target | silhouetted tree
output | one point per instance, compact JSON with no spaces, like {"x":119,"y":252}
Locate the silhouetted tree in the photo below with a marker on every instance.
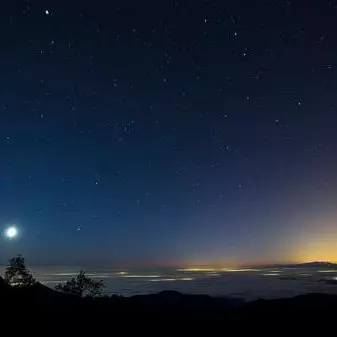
{"x":82,"y":286}
{"x":17,"y":273}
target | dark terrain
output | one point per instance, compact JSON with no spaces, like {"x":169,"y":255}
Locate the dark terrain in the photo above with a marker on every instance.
{"x":41,"y":311}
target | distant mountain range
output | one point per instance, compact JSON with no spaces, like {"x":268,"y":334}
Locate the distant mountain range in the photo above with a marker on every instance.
{"x":316,"y":264}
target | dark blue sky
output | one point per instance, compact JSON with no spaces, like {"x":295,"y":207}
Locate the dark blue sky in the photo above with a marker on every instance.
{"x":158,"y":132}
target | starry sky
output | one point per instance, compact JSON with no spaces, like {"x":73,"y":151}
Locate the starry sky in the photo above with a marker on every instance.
{"x":171,"y":132}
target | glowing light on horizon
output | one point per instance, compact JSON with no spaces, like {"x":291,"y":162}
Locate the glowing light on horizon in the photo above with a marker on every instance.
{"x":270,"y":274}
{"x":140,"y":276}
{"x":240,"y":270}
{"x":197,"y":270}
{"x":318,"y":245}
{"x":164,"y":280}
{"x":173,"y":279}
{"x":217,"y":270}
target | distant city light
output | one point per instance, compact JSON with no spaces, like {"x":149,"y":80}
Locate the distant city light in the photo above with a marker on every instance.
{"x":197,"y":269}
{"x":240,"y":270}
{"x":140,"y":276}
{"x":214,"y":270}
{"x":173,"y":279}
{"x":271,"y":274}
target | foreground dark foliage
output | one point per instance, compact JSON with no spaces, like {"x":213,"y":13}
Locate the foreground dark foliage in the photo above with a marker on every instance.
{"x":17,"y":273}
{"x":44,"y":312}
{"x":82,"y":286}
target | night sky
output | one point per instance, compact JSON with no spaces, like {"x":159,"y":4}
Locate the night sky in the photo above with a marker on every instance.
{"x":168,"y":132}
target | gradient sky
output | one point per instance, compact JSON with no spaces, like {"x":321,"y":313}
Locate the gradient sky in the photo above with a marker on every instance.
{"x":168,"y":132}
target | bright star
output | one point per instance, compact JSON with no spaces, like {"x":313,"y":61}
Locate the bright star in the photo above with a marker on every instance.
{"x":47,"y":12}
{"x":11,"y":232}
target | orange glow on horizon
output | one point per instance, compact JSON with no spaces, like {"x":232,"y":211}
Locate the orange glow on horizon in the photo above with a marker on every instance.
{"x":320,"y":247}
